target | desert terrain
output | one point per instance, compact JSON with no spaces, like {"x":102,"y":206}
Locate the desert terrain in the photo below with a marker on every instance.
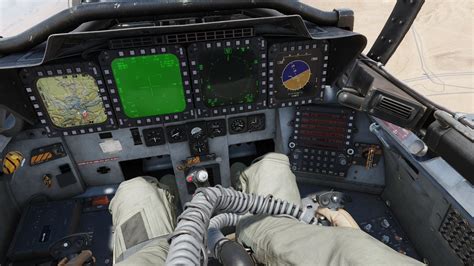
{"x":436,"y":57}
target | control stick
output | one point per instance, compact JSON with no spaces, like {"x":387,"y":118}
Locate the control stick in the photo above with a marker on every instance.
{"x":198,"y":176}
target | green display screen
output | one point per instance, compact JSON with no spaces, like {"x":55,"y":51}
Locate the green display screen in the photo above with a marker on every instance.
{"x":229,"y":76}
{"x":149,"y":85}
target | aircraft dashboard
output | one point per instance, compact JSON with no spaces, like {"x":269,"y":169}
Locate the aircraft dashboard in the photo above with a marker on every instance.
{"x":168,"y":100}
{"x":161,"y":84}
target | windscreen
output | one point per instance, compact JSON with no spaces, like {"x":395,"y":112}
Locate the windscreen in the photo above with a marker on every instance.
{"x":149,"y":85}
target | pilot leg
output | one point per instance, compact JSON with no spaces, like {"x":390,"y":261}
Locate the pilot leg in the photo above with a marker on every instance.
{"x":286,"y":241}
{"x":271,"y":174}
{"x":142,"y":216}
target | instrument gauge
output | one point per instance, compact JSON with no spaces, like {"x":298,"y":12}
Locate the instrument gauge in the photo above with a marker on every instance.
{"x":216,"y":128}
{"x":176,"y":134}
{"x":197,"y":132}
{"x":256,"y":122}
{"x":237,"y":125}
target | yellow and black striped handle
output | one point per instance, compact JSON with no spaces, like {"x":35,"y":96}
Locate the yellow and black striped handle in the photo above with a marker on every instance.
{"x":11,"y":162}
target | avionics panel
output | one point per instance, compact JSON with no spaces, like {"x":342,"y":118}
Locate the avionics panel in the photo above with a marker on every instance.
{"x":322,"y":140}
{"x":297,"y":73}
{"x":229,"y":76}
{"x":69,"y":99}
{"x":148,"y":85}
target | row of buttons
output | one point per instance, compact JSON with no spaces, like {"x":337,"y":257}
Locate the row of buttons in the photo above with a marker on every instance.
{"x":318,"y":171}
{"x":322,"y":162}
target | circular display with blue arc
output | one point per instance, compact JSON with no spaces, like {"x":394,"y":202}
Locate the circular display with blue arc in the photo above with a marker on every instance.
{"x":296,"y":75}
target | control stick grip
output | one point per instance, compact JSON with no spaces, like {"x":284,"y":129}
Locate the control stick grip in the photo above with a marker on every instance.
{"x":198,"y":176}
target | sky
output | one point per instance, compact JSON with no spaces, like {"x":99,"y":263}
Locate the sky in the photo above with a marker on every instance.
{"x":19,"y":15}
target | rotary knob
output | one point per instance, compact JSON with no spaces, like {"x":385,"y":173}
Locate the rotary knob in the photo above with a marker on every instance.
{"x":342,"y":160}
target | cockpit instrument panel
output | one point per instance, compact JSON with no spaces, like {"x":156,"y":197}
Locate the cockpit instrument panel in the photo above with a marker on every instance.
{"x":148,"y":85}
{"x":297,"y":73}
{"x":69,"y":99}
{"x":229,"y":76}
{"x":322,"y":141}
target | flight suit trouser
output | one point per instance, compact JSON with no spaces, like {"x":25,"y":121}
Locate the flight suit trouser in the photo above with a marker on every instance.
{"x":143,"y":214}
{"x":274,"y":240}
{"x":286,"y":241}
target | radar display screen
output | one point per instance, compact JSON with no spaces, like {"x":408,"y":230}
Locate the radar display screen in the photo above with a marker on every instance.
{"x":72,"y":100}
{"x":148,"y":85}
{"x":69,"y":99}
{"x":298,"y":73}
{"x":222,"y":84}
{"x":229,"y":76}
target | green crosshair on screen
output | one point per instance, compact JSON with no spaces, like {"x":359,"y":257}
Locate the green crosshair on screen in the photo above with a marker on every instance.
{"x":149,"y":85}
{"x":229,"y":76}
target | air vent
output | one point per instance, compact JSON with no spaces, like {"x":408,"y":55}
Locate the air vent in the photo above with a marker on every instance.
{"x":209,"y":35}
{"x":394,"y":107}
{"x":181,"y":21}
{"x":70,"y":43}
{"x":459,"y":234}
{"x":135,"y":42}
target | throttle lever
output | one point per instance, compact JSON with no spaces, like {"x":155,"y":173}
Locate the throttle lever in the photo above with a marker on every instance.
{"x":70,"y":246}
{"x":333,"y":200}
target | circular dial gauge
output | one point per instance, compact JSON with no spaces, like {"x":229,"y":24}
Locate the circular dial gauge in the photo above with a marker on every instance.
{"x":238,"y":125}
{"x":197,"y":132}
{"x":198,"y":147}
{"x":177,"y":134}
{"x":216,"y":128}
{"x":256,"y":123}
{"x":296,"y":75}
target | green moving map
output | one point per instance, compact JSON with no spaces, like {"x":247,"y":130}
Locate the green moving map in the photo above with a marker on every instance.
{"x":149,"y":85}
{"x":72,"y":100}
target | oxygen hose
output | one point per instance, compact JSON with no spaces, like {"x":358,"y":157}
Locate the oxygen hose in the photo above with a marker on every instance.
{"x":215,"y":238}
{"x":189,"y":238}
{"x":228,"y":252}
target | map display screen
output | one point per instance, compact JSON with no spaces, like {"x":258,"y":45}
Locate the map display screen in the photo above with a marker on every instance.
{"x":72,"y":100}
{"x":149,"y":85}
{"x":229,"y":76}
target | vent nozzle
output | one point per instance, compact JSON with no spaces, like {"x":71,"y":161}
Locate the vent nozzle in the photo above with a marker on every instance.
{"x":135,"y":42}
{"x":209,"y":35}
{"x":394,"y":107}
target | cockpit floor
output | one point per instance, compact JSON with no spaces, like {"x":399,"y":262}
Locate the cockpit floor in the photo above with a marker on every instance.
{"x":373,"y":216}
{"x":369,"y":211}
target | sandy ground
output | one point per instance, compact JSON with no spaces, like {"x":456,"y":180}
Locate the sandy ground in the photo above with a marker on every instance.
{"x":436,"y":58}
